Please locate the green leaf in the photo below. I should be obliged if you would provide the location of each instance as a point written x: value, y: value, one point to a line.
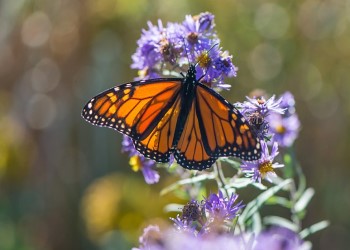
x: 256, y: 223
x: 277, y: 200
x: 173, y: 207
x: 239, y: 183
x: 182, y: 182
x: 259, y: 186
x: 287, y: 158
x: 304, y: 200
x: 282, y: 222
x: 253, y: 206
x: 314, y: 228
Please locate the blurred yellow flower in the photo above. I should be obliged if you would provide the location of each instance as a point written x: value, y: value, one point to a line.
x: 100, y: 205
x: 135, y: 163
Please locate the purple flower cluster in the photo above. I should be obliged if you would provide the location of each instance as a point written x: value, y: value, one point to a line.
x: 220, y: 208
x: 212, y: 215
x: 257, y: 109
x: 275, y: 239
x: 139, y: 162
x: 264, y: 167
x: 285, y: 127
x: 273, y: 118
x: 165, y: 48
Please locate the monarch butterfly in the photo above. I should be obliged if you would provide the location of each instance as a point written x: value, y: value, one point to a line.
x: 178, y: 116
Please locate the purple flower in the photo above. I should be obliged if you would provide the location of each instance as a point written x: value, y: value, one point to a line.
x: 154, y: 239
x: 212, y: 215
x: 285, y: 127
x: 190, y: 218
x: 279, y: 238
x: 214, y: 66
x: 185, y: 226
x: 147, y: 54
x: 264, y: 107
x: 150, y: 239
x: 164, y: 49
x: 273, y: 239
x: 185, y: 241
x: 220, y: 208
x: 264, y: 167
x: 139, y: 162
x: 199, y: 31
x: 288, y: 103
x: 256, y: 110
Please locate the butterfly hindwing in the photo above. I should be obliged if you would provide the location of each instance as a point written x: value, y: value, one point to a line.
x: 190, y: 150
x: 158, y: 145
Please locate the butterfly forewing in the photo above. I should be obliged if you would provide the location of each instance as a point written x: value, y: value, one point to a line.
x: 134, y: 109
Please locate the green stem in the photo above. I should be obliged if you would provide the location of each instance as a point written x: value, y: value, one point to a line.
x: 220, y: 178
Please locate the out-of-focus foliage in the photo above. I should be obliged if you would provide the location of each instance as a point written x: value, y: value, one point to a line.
x: 65, y: 185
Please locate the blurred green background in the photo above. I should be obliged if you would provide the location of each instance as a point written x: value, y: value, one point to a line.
x: 65, y: 185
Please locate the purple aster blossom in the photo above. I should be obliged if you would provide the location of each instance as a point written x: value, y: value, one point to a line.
x: 264, y: 107
x: 199, y: 31
x: 220, y: 208
x: 172, y: 45
x: 166, y: 48
x: 157, y: 45
x: 273, y: 239
x: 185, y: 241
x: 190, y: 220
x: 264, y: 167
x: 256, y: 111
x: 213, y: 66
x: 151, y: 176
x: 212, y: 215
x: 147, y: 54
x: 280, y: 238
x: 225, y: 65
x: 139, y: 162
x: 288, y: 103
x: 150, y: 239
x: 185, y: 226
x: 205, y: 58
x: 284, y: 129
x: 172, y: 239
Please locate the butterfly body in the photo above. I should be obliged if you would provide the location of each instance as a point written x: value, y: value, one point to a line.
x: 187, y: 94
x: 178, y: 116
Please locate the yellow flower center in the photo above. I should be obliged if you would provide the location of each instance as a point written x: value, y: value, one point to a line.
x: 265, y: 168
x: 204, y: 60
x: 280, y: 129
x: 135, y: 163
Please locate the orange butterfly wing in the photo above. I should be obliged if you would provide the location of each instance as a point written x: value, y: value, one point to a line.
x: 214, y: 128
x: 190, y: 150
x: 147, y: 112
